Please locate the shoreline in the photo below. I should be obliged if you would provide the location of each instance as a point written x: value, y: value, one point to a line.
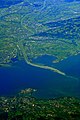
x: 20, y: 47
x: 39, y: 66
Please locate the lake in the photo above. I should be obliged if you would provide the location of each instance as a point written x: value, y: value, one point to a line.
x: 48, y: 83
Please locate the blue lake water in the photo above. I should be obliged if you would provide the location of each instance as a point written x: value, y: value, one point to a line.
x: 48, y: 84
x: 70, y: 65
x: 45, y: 59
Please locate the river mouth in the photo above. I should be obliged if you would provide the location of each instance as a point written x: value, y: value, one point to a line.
x: 47, y: 83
